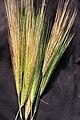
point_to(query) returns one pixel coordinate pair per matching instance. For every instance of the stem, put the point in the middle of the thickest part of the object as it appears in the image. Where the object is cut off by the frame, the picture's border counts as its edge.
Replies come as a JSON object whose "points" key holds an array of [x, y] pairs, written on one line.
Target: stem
{"points": [[17, 115]]}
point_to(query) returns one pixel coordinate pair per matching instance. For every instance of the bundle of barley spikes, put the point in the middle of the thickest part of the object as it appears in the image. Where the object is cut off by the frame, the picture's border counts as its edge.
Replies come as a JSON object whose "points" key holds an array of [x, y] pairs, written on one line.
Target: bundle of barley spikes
{"points": [[34, 58]]}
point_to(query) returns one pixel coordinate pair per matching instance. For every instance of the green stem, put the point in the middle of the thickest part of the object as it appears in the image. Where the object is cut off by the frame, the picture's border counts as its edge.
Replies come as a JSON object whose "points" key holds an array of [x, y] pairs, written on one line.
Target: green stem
{"points": [[17, 115]]}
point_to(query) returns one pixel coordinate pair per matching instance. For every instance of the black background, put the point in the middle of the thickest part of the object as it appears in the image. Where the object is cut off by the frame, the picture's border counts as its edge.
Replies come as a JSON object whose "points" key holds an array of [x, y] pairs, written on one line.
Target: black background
{"points": [[62, 94]]}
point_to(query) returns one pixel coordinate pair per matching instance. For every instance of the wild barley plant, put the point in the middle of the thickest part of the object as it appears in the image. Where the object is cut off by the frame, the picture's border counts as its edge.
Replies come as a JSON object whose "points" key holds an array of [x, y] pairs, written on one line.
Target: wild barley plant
{"points": [[34, 59]]}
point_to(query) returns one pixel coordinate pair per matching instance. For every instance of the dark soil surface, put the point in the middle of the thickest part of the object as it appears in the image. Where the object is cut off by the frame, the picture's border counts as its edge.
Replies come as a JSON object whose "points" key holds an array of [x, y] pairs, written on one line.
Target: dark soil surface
{"points": [[63, 91]]}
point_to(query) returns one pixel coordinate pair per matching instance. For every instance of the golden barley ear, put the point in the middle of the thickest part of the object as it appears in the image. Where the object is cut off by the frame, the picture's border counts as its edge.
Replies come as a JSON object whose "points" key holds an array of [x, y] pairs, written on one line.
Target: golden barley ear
{"points": [[59, 40], [14, 40], [15, 43]]}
